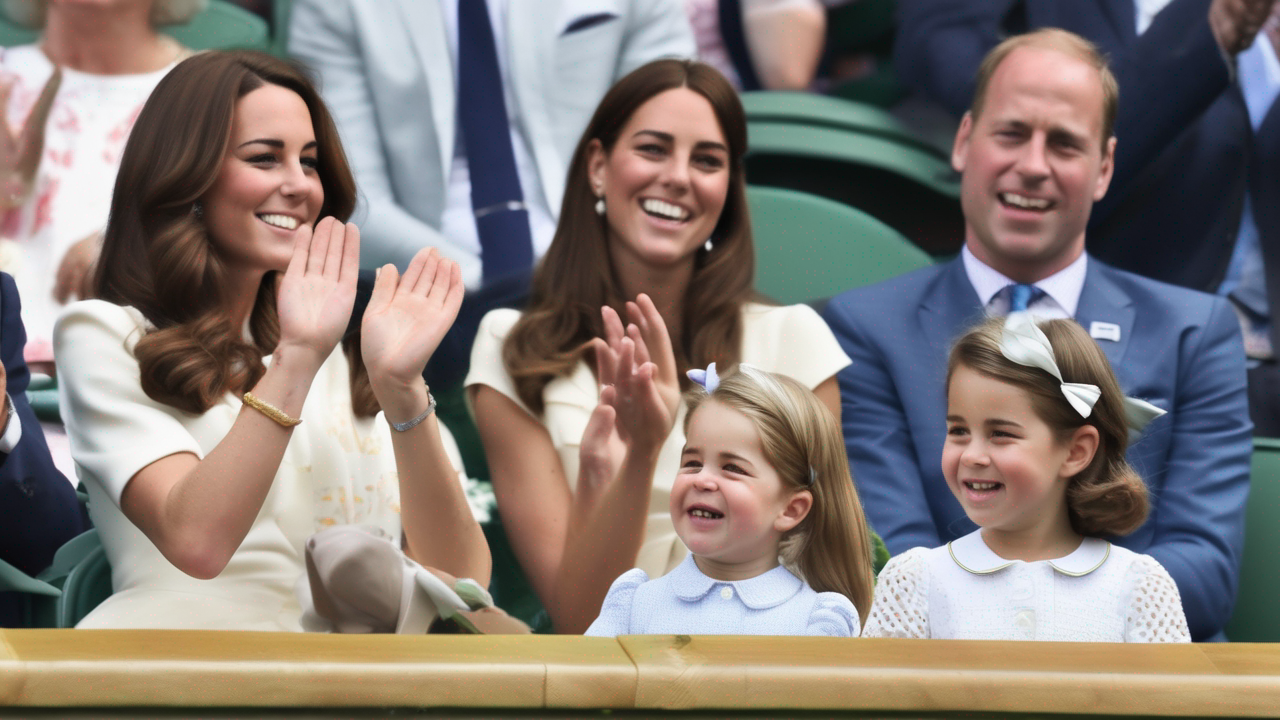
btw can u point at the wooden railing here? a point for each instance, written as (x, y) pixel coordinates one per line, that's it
(139, 668)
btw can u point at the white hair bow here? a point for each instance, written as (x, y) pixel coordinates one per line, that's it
(1023, 342)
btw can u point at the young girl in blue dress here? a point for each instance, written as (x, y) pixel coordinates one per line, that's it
(764, 502)
(1037, 429)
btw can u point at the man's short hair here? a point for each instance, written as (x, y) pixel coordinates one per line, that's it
(1064, 42)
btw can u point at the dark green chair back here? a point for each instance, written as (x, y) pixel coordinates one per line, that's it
(904, 184)
(222, 25)
(1255, 618)
(809, 247)
(80, 568)
(811, 109)
(281, 11)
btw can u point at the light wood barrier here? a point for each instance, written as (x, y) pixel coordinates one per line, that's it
(129, 668)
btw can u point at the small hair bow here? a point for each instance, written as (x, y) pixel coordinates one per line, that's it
(1024, 343)
(708, 378)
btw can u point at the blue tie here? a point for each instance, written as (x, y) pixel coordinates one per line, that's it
(1021, 295)
(502, 222)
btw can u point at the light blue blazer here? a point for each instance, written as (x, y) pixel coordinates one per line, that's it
(1178, 348)
(387, 75)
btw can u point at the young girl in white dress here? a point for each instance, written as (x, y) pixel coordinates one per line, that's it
(763, 500)
(1037, 429)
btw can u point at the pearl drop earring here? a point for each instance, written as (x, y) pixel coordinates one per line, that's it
(708, 245)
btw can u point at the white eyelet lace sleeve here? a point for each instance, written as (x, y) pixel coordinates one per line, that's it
(615, 613)
(901, 606)
(833, 615)
(1154, 610)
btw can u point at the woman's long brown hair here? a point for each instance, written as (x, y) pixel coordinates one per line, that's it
(576, 278)
(157, 255)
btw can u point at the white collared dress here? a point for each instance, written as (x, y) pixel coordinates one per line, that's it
(687, 602)
(963, 590)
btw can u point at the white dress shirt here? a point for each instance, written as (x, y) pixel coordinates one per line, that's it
(965, 591)
(1061, 289)
(458, 223)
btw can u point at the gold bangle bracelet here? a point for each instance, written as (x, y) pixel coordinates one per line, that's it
(270, 410)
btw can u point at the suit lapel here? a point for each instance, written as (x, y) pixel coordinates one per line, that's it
(1124, 18)
(949, 307)
(531, 43)
(1101, 300)
(431, 42)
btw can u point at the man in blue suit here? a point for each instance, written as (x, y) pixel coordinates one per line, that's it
(1194, 196)
(39, 510)
(1035, 152)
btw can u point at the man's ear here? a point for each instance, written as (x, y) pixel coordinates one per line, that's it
(1107, 168)
(960, 150)
(596, 158)
(795, 511)
(1081, 447)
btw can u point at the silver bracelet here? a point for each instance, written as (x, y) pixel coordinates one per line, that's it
(411, 424)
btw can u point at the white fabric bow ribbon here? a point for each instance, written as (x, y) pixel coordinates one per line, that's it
(1023, 342)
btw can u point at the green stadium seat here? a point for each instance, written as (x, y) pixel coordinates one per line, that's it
(804, 108)
(281, 11)
(1255, 618)
(809, 247)
(905, 185)
(37, 598)
(222, 25)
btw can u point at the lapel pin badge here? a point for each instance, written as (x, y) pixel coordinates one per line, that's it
(1104, 331)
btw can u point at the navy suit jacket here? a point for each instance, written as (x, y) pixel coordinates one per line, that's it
(39, 510)
(1184, 140)
(1179, 349)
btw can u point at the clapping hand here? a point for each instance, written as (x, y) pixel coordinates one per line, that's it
(319, 288)
(637, 372)
(20, 153)
(406, 319)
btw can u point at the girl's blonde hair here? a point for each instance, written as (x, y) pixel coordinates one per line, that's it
(31, 13)
(831, 547)
(1108, 497)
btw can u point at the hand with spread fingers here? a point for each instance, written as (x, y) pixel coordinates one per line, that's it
(319, 287)
(406, 319)
(20, 153)
(638, 371)
(601, 452)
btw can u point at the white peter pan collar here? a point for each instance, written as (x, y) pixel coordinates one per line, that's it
(758, 593)
(972, 554)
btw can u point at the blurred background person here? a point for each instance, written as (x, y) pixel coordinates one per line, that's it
(761, 44)
(424, 90)
(111, 55)
(39, 510)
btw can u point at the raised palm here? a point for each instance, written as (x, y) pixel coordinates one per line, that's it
(638, 363)
(20, 153)
(408, 316)
(319, 288)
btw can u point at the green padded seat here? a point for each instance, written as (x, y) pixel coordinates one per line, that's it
(809, 247)
(905, 185)
(222, 25)
(1255, 618)
(811, 109)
